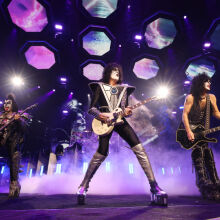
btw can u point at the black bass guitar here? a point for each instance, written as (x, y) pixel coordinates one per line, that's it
(13, 118)
(199, 133)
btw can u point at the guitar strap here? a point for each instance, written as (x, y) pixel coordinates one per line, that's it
(120, 97)
(207, 117)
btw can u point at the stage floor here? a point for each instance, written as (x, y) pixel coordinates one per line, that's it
(120, 207)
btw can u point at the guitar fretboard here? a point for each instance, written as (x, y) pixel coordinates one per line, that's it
(141, 103)
(211, 130)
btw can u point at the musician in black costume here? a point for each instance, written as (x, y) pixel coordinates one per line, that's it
(198, 105)
(108, 95)
(10, 140)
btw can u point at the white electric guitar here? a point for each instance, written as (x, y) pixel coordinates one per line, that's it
(102, 128)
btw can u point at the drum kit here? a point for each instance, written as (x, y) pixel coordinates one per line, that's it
(84, 138)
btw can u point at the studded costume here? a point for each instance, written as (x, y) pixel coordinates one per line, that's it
(202, 156)
(106, 98)
(10, 140)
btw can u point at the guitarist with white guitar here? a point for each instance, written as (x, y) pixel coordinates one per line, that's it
(196, 119)
(109, 105)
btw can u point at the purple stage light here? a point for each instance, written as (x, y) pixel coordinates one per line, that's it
(119, 45)
(54, 90)
(38, 87)
(65, 112)
(174, 113)
(129, 6)
(70, 96)
(185, 17)
(63, 80)
(58, 27)
(187, 82)
(138, 37)
(1, 102)
(207, 44)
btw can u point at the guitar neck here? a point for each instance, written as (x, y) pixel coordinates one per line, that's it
(211, 130)
(13, 118)
(141, 103)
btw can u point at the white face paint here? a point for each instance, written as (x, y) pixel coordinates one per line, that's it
(115, 74)
(207, 85)
(8, 105)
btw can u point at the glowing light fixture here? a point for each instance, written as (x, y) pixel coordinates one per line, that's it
(131, 168)
(58, 168)
(2, 170)
(138, 37)
(85, 166)
(17, 81)
(41, 170)
(207, 45)
(107, 166)
(58, 27)
(30, 173)
(65, 112)
(163, 92)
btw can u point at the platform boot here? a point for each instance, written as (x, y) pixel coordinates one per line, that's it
(92, 168)
(205, 185)
(15, 187)
(211, 170)
(158, 196)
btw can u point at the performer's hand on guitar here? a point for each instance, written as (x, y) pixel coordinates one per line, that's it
(104, 116)
(190, 136)
(128, 111)
(17, 116)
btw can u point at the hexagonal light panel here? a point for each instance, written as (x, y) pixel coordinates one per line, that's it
(93, 71)
(29, 15)
(160, 33)
(146, 68)
(100, 8)
(40, 57)
(96, 43)
(198, 66)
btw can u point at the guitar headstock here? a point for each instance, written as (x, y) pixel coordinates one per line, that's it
(156, 98)
(32, 106)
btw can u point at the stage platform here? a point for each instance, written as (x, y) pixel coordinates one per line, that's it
(106, 207)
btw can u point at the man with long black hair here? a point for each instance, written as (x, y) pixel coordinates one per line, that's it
(107, 96)
(198, 104)
(10, 139)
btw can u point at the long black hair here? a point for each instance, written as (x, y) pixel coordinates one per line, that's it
(107, 72)
(197, 86)
(14, 104)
